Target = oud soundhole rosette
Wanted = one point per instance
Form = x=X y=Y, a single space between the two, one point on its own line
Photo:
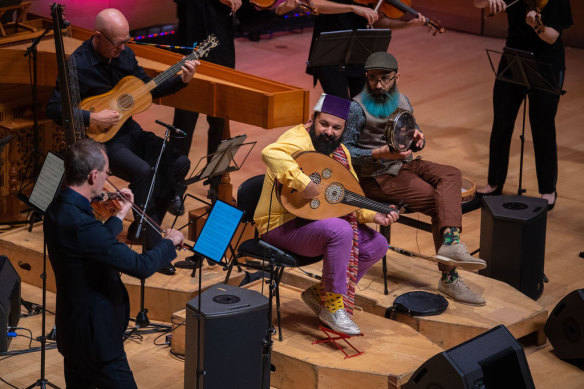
x=125 y=102
x=334 y=193
x=314 y=203
x=315 y=177
x=327 y=173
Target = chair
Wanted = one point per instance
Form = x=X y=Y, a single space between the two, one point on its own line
x=271 y=257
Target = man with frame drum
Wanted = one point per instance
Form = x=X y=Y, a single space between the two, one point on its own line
x=391 y=174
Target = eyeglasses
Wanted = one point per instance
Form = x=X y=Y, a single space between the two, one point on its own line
x=115 y=44
x=385 y=79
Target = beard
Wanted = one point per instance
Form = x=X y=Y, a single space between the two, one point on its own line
x=381 y=103
x=323 y=144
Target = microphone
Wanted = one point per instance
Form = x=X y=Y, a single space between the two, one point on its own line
x=178 y=131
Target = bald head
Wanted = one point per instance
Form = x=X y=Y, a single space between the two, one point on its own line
x=110 y=21
x=111 y=29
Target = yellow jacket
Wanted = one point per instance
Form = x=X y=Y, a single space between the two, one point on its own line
x=282 y=167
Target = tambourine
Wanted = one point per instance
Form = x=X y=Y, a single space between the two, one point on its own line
x=399 y=130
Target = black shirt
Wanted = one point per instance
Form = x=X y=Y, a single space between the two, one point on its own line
x=97 y=75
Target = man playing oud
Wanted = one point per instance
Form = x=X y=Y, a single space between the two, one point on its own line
x=393 y=176
x=101 y=62
x=342 y=242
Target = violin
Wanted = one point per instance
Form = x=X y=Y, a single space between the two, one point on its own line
x=107 y=204
x=306 y=5
x=395 y=9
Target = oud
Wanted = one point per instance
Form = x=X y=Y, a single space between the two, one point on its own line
x=340 y=193
x=131 y=95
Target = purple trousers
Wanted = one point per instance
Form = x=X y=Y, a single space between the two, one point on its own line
x=331 y=238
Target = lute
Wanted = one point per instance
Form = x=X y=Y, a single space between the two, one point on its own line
x=131 y=95
x=340 y=192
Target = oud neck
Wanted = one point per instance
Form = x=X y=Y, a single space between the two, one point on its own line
x=171 y=71
x=357 y=200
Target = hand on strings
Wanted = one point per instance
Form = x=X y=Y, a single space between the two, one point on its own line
x=233 y=4
x=385 y=153
x=311 y=191
x=175 y=236
x=418 y=138
x=287 y=6
x=188 y=70
x=126 y=205
x=104 y=119
x=386 y=220
x=420 y=19
x=370 y=14
x=496 y=6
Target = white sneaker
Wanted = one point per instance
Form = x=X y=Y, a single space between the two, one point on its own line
x=339 y=321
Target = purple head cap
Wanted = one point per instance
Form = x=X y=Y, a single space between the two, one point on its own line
x=333 y=105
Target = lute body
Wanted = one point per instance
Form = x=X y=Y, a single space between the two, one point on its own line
x=340 y=192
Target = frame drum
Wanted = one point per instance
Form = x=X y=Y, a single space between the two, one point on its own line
x=399 y=130
x=468 y=189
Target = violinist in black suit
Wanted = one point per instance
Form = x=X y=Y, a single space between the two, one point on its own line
x=92 y=303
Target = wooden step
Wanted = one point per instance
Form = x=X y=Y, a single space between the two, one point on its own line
x=505 y=305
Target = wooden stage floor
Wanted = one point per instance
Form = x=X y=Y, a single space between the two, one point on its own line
x=449 y=81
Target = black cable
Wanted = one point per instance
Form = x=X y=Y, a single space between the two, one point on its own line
x=8 y=383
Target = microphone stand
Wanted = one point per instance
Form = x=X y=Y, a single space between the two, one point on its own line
x=32 y=51
x=142 y=320
x=43 y=382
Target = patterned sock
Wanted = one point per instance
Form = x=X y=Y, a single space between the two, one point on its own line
x=449 y=276
x=451 y=235
x=333 y=302
x=318 y=291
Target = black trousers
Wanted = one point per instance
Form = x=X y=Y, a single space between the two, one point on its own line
x=507 y=98
x=132 y=158
x=83 y=374
x=186 y=121
x=341 y=83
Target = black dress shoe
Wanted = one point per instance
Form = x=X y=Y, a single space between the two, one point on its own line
x=169 y=270
x=176 y=206
x=552 y=205
x=495 y=192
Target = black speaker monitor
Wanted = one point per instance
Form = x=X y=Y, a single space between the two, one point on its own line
x=565 y=326
x=233 y=325
x=9 y=300
x=493 y=360
x=513 y=230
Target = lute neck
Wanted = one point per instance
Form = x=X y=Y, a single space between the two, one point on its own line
x=354 y=199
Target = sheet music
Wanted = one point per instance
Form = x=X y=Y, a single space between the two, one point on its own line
x=48 y=182
x=223 y=156
x=218 y=231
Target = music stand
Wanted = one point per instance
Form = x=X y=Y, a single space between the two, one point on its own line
x=348 y=46
x=520 y=68
x=212 y=244
x=44 y=191
x=213 y=165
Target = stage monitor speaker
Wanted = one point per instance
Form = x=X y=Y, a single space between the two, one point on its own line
x=513 y=230
x=9 y=300
x=493 y=360
x=233 y=326
x=565 y=326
